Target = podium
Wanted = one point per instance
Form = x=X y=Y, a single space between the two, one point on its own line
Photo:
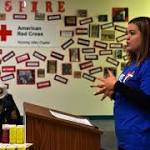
x=48 y=132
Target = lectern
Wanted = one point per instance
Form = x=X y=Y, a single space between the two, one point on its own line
x=49 y=132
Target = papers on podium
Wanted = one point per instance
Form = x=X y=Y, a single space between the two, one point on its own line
x=71 y=118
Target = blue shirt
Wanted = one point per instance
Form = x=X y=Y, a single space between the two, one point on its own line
x=132 y=124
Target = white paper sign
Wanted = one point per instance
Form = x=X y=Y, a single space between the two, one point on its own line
x=71 y=118
x=29 y=34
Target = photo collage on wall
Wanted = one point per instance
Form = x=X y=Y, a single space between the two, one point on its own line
x=86 y=38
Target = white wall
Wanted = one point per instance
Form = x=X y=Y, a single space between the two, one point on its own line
x=76 y=97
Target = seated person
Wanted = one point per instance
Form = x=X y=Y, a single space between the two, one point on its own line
x=9 y=113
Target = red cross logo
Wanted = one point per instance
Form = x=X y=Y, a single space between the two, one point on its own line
x=4 y=33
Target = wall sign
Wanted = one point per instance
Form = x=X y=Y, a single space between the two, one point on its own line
x=29 y=34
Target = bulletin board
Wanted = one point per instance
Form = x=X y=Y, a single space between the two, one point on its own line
x=52 y=51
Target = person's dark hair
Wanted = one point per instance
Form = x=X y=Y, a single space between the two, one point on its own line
x=143 y=24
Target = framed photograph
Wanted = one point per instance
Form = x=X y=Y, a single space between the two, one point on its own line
x=2 y=16
x=77 y=74
x=70 y=20
x=120 y=14
x=112 y=69
x=26 y=76
x=66 y=69
x=51 y=66
x=41 y=73
x=102 y=18
x=43 y=84
x=53 y=17
x=22 y=58
x=94 y=30
x=82 y=13
x=74 y=54
x=39 y=16
x=107 y=35
x=19 y=16
x=86 y=21
x=61 y=79
x=118 y=54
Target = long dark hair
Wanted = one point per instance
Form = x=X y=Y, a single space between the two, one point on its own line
x=143 y=24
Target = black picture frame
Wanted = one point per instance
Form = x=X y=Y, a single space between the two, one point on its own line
x=120 y=14
x=70 y=20
x=25 y=76
x=66 y=69
x=74 y=55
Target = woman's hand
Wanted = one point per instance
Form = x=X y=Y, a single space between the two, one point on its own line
x=108 y=82
x=106 y=86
